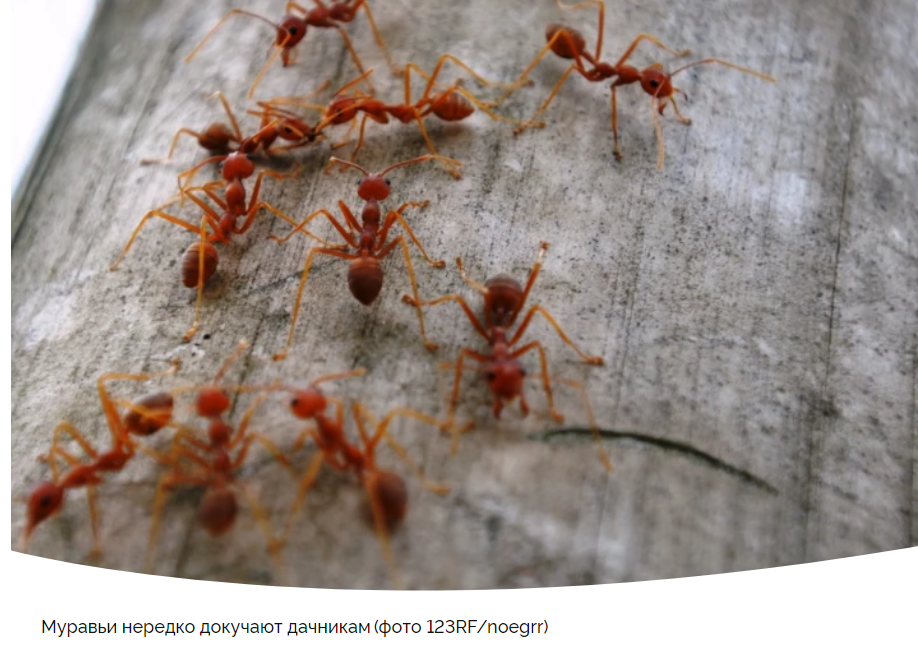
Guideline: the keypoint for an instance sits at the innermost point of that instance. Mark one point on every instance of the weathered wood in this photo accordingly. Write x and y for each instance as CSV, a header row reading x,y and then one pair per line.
x,y
755,301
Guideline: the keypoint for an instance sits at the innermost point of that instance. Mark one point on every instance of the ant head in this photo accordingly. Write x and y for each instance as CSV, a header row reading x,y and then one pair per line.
x,y
505,378
291,129
212,402
373,187
237,165
149,414
305,404
218,511
568,42
290,31
656,82
503,298
388,494
44,501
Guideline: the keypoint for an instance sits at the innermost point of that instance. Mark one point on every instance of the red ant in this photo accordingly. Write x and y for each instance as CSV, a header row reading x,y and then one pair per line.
x,y
211,464
370,242
145,417
504,299
568,43
292,28
200,260
218,137
386,491
452,104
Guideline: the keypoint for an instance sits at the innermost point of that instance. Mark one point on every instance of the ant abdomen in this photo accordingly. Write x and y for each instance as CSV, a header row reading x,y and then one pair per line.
x,y
218,511
216,138
565,47
388,491
150,413
191,263
453,107
365,279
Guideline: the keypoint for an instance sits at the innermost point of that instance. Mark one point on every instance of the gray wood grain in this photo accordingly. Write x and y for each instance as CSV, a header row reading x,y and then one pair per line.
x,y
755,301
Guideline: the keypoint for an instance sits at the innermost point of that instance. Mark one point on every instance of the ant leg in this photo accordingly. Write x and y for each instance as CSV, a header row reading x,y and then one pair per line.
x,y
379,39
529,283
278,50
654,107
273,545
354,57
382,432
535,344
348,236
603,457
230,115
157,212
454,398
191,172
532,122
430,146
207,189
616,150
601,24
397,215
683,119
302,437
408,299
197,305
219,24
254,204
592,360
115,425
545,50
438,68
305,483
175,140
299,293
656,42
93,521
345,141
414,285
75,435
297,227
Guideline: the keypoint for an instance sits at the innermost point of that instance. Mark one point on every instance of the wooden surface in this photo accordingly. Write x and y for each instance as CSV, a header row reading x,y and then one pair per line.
x,y
755,301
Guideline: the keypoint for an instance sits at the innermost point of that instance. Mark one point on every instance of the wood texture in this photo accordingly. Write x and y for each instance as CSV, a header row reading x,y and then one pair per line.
x,y
755,301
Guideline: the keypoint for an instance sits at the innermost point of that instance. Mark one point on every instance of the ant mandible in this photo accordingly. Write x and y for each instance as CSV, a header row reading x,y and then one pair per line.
x,y
146,416
292,28
504,300
370,242
386,491
568,43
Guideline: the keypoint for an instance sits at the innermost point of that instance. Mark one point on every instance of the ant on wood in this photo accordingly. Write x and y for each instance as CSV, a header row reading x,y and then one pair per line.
x,y
386,491
212,463
145,416
369,241
292,28
568,43
504,300
451,104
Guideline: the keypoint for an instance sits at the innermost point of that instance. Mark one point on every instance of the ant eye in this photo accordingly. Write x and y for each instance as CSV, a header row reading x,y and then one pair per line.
x,y
294,402
388,182
522,371
654,83
44,501
490,376
360,181
248,156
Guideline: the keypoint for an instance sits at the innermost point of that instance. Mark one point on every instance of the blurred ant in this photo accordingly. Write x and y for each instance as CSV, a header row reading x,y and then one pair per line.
x,y
369,241
145,416
386,491
212,463
292,28
504,300
568,43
